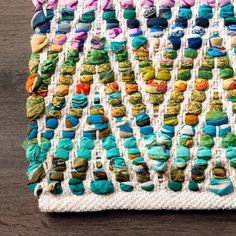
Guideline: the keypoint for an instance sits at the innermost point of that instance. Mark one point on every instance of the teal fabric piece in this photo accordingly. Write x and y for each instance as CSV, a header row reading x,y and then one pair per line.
x,y
133,151
180,163
139,41
130,142
63,149
233,162
86,143
200,163
65,143
109,142
138,161
33,166
183,152
185,13
230,152
102,186
33,152
119,162
76,186
204,153
147,186
126,187
58,189
221,187
164,139
159,153
84,153
150,140
31,187
159,165
113,152
62,153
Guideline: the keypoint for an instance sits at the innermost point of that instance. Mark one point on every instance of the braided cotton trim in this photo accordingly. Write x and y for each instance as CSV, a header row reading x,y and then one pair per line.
x,y
139,200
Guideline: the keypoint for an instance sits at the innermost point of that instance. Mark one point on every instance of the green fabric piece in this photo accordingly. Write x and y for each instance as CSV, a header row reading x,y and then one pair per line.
x,y
126,187
109,14
147,186
88,17
228,140
35,107
190,53
193,186
205,73
96,57
207,141
129,13
184,74
175,186
226,72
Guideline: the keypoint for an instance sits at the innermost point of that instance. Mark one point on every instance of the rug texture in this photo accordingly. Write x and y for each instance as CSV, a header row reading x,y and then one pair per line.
x,y
131,105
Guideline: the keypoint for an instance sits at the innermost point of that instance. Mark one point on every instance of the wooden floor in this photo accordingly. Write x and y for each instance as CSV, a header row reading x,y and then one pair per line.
x,y
19,214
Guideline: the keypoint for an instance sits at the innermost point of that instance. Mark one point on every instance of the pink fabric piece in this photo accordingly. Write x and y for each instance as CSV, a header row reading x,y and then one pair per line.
x,y
126,3
38,3
224,2
92,4
71,4
114,32
187,3
147,3
134,30
106,4
75,43
168,3
61,40
81,35
210,3
52,4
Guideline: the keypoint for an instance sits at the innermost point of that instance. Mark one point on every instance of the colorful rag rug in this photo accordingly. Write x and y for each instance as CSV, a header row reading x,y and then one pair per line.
x,y
131,105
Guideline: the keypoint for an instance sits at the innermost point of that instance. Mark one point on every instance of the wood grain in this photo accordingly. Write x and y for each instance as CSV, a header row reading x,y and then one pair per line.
x,y
19,214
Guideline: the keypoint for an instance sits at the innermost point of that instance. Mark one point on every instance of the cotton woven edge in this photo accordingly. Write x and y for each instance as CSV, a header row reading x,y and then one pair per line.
x,y
137,200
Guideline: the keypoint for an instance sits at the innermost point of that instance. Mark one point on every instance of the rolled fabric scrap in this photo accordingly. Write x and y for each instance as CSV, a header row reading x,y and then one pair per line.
x,y
168,3
210,3
221,187
38,42
156,86
187,3
126,3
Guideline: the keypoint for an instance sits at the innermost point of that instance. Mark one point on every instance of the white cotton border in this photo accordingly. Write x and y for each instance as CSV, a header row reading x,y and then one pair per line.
x,y
137,200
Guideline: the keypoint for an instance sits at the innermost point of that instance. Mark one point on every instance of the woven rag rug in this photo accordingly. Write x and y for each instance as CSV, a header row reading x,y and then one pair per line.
x,y
131,105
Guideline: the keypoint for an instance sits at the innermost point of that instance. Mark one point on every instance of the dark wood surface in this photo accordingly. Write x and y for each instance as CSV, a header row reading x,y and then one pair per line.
x,y
19,214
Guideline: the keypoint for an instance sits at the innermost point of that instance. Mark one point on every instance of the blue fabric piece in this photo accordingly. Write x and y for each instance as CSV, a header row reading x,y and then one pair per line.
x,y
70,134
52,123
224,129
146,130
175,41
209,129
168,129
48,134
